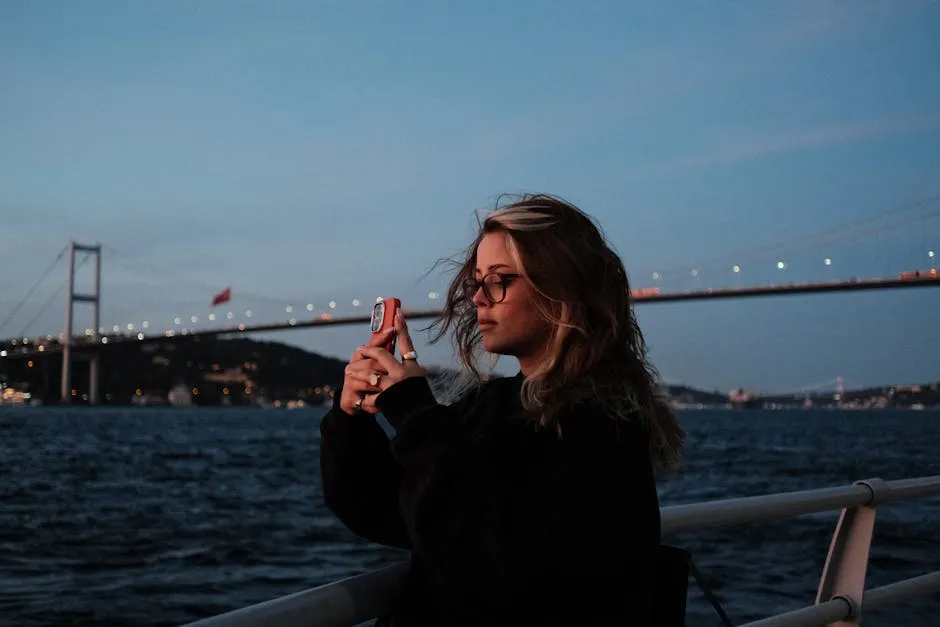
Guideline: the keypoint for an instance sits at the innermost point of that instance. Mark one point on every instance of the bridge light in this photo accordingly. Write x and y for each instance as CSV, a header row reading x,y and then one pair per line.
x,y
379,299
194,319
3,353
177,321
694,272
115,328
247,313
289,309
735,268
828,261
293,321
140,336
433,295
657,276
355,302
211,317
309,306
930,254
229,315
104,340
332,304
145,324
130,327
781,265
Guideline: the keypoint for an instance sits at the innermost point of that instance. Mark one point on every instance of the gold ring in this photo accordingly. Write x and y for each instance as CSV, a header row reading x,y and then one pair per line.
x,y
410,355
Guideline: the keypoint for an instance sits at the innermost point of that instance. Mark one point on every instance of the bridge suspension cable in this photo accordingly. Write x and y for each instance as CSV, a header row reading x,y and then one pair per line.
x,y
50,298
35,286
812,387
133,264
851,230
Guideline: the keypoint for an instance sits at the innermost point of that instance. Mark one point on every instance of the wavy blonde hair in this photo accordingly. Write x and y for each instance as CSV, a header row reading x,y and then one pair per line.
x,y
596,352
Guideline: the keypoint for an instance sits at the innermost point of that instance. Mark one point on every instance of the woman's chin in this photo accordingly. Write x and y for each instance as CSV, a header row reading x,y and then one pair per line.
x,y
491,345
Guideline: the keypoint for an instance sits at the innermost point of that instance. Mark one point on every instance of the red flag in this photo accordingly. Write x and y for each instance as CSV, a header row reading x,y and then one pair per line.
x,y
222,297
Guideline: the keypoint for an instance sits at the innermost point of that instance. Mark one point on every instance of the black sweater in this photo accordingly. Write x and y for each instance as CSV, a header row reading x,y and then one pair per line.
x,y
507,524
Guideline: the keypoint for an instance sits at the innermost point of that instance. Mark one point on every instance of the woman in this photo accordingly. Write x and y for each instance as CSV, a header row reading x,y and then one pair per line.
x,y
530,500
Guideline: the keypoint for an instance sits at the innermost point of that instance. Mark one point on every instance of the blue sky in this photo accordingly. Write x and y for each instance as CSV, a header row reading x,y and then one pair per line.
x,y
308,151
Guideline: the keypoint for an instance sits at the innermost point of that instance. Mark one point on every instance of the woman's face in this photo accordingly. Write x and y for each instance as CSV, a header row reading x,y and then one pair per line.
x,y
503,299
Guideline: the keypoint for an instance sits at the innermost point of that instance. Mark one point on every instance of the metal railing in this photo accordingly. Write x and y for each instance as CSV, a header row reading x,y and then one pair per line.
x,y
840,599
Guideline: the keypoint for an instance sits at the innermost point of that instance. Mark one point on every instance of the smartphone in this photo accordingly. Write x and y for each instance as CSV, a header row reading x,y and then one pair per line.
x,y
383,317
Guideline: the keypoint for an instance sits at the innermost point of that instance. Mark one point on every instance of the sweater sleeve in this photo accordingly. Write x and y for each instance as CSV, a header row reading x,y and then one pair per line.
x,y
557,525
361,480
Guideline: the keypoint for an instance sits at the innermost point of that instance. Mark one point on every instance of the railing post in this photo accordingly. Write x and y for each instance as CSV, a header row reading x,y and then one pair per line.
x,y
847,563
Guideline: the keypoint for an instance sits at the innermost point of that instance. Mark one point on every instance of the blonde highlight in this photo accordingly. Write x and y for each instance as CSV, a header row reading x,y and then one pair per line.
x,y
596,352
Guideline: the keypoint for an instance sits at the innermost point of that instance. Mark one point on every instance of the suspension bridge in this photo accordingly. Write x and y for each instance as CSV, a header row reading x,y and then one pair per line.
x,y
892,250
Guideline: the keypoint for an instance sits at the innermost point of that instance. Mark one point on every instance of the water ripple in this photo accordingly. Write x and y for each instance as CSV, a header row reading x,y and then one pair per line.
x,y
158,517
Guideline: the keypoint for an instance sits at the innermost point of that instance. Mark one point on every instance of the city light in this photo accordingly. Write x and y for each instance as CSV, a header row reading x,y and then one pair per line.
x,y
735,268
781,265
828,261
930,254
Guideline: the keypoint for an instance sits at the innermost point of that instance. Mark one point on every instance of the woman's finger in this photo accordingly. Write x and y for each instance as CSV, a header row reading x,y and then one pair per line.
x,y
405,345
379,339
368,404
364,381
385,359
366,364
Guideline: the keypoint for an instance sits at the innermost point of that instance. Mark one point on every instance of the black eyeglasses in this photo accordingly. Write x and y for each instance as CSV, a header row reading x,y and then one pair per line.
x,y
493,285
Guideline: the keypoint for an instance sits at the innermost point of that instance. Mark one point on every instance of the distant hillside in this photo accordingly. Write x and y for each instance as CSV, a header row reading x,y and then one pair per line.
x,y
241,371
271,369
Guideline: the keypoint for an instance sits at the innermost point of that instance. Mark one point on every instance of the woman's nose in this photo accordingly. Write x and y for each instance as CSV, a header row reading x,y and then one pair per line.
x,y
480,299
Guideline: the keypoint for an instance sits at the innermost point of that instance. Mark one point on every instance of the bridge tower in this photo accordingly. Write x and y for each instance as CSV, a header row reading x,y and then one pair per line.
x,y
95,300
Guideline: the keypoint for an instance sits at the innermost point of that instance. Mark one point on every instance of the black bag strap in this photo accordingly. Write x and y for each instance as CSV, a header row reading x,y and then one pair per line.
x,y
700,580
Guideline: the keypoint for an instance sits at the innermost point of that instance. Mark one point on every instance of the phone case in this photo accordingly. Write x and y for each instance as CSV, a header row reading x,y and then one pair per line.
x,y
383,317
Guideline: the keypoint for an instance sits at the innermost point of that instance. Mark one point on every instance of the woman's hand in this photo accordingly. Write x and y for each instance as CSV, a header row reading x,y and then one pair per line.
x,y
390,371
362,377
